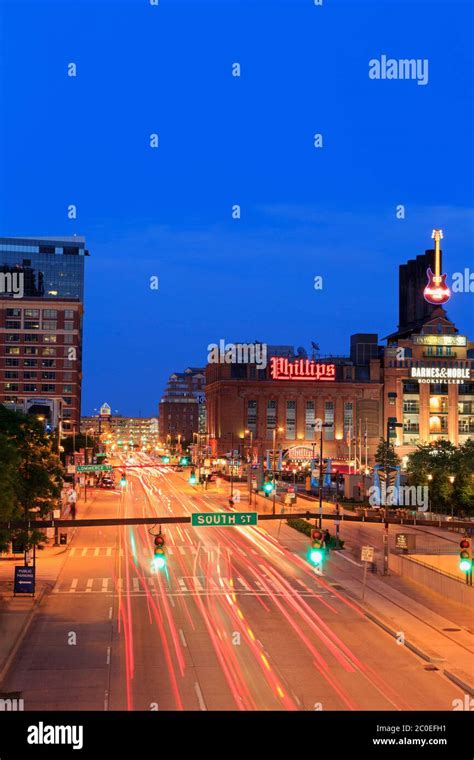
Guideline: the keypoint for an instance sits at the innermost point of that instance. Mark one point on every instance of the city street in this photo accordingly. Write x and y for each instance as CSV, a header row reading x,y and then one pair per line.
x,y
236,620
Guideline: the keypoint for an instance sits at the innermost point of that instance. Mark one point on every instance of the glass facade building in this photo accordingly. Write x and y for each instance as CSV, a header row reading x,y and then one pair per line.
x,y
52,268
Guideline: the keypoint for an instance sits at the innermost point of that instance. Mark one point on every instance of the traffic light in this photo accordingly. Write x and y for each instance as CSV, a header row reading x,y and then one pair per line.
x,y
165,460
159,560
123,480
192,478
184,461
465,555
316,552
268,487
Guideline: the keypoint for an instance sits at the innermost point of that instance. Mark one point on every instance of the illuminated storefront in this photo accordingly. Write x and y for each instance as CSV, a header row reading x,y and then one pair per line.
x,y
429,385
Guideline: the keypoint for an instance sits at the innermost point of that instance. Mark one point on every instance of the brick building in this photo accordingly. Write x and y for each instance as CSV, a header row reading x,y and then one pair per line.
x,y
183,406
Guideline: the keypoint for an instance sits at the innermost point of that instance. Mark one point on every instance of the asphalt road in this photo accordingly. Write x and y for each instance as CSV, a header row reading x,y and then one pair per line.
x,y
235,622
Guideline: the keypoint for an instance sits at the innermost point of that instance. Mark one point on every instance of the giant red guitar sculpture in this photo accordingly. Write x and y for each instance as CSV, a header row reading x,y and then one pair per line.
x,y
436,291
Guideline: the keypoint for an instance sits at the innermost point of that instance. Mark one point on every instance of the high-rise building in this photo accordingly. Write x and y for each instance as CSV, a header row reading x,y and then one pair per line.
x,y
41,313
183,406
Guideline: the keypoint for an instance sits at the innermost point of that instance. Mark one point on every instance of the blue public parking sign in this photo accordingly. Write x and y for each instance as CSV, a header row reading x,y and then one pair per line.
x,y
24,580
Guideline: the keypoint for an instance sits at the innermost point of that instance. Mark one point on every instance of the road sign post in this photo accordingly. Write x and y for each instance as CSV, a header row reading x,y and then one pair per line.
x,y
223,519
24,582
367,555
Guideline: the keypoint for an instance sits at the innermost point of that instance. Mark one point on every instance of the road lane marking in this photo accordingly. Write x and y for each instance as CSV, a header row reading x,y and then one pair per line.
x,y
136,584
110,609
73,585
181,549
109,551
350,560
182,584
243,583
89,585
170,551
108,656
202,704
72,551
96,551
198,583
183,640
105,584
84,552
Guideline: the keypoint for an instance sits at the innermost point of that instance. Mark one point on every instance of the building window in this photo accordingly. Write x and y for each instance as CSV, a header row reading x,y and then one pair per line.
x,y
69,338
31,324
49,339
69,314
30,338
11,386
11,375
31,312
30,362
271,417
13,312
69,325
48,352
12,362
329,417
12,324
67,388
48,375
50,314
12,350
48,388
29,375
252,416
309,432
29,388
12,338
48,362
48,324
31,351
291,420
348,418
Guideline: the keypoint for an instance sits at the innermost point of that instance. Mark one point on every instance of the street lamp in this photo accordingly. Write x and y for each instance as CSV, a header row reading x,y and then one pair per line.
x,y
249,465
452,478
280,430
323,425
391,423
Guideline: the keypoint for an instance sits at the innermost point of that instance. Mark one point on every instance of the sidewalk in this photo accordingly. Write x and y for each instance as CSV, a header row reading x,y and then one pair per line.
x,y
17,612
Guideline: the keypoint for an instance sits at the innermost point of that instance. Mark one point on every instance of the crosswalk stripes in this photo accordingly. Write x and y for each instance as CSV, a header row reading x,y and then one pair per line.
x,y
107,551
188,585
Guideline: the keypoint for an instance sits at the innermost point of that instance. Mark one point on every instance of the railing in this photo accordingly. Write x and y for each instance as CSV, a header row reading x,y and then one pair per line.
x,y
435,569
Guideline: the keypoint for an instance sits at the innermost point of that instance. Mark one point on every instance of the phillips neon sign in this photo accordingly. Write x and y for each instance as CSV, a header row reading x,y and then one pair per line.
x,y
301,369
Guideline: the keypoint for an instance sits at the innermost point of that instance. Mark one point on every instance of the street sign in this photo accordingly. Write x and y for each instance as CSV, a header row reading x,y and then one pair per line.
x,y
94,468
367,554
24,580
405,541
222,519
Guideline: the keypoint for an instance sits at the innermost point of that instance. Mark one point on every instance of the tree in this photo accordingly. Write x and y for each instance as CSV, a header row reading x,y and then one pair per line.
x,y
30,472
438,463
386,456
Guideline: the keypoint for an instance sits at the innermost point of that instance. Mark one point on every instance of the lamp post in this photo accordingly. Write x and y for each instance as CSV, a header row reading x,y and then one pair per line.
x,y
451,480
323,425
249,465
280,430
391,423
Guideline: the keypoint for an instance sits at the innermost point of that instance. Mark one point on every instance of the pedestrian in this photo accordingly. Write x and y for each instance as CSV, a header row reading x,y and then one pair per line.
x,y
327,539
73,510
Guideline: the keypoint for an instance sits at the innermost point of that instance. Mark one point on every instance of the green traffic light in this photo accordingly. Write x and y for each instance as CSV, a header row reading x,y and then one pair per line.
x,y
465,565
268,487
316,556
193,480
159,563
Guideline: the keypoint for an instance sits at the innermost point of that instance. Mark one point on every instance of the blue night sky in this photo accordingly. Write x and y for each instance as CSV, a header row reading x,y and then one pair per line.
x,y
224,141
